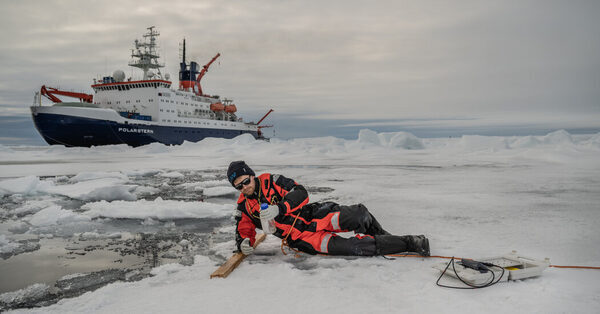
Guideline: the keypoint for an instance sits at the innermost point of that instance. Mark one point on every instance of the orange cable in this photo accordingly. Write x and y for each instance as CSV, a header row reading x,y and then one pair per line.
x,y
575,267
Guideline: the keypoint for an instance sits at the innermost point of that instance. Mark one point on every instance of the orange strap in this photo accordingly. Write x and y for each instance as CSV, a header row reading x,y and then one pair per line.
x,y
284,240
448,257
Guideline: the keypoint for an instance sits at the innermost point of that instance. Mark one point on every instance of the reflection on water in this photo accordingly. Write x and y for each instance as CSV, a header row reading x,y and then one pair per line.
x,y
174,241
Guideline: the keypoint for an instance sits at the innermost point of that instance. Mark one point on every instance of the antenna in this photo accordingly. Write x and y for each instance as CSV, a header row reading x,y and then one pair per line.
x,y
146,53
184,50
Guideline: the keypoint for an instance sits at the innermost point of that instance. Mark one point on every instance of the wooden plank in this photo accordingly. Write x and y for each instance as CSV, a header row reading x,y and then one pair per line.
x,y
224,270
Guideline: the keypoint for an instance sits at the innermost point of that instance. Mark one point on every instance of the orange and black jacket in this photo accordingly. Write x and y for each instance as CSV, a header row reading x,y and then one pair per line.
x,y
272,189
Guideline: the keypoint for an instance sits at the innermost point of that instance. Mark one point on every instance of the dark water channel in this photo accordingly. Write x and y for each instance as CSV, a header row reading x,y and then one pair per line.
x,y
62,262
70,266
58,257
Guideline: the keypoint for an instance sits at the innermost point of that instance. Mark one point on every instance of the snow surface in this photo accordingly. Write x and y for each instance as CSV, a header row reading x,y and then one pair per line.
x,y
474,196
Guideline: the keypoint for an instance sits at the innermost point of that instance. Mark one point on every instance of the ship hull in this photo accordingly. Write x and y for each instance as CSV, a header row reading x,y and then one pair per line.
x,y
71,130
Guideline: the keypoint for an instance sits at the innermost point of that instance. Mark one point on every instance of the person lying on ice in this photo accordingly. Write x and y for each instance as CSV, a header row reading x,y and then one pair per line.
x,y
310,227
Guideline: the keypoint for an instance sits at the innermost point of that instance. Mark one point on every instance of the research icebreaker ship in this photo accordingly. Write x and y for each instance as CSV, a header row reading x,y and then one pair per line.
x,y
139,112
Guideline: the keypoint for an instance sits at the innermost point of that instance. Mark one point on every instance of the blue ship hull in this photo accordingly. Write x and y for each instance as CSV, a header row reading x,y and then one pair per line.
x,y
77,131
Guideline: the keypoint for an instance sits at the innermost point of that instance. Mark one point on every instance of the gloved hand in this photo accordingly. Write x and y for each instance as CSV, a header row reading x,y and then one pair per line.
x,y
270,212
246,248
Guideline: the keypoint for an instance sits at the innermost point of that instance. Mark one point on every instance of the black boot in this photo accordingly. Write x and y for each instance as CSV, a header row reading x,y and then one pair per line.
x,y
390,244
375,228
419,244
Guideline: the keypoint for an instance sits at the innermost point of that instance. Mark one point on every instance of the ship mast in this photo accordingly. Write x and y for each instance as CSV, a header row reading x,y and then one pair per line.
x,y
147,55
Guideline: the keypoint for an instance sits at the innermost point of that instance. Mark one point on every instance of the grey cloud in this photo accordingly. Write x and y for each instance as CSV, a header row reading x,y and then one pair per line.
x,y
340,59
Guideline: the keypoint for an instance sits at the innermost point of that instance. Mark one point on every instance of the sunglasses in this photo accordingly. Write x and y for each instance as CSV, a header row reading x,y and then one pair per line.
x,y
241,184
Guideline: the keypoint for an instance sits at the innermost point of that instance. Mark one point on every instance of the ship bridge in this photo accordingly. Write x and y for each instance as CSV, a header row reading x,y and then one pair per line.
x,y
125,86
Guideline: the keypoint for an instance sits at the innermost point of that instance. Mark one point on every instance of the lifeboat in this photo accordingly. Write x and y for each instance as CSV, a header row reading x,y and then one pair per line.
x,y
230,108
217,106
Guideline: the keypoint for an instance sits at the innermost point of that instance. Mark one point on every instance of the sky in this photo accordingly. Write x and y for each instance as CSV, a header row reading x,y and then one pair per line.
x,y
433,68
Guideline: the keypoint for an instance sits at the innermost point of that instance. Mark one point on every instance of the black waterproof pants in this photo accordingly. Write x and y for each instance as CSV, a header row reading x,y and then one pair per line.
x,y
321,221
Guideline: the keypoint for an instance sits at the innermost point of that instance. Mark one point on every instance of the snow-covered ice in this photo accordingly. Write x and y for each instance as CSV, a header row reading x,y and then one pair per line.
x,y
6,245
159,209
474,196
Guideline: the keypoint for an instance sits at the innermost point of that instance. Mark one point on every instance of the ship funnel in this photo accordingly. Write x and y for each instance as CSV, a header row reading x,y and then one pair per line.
x,y
187,76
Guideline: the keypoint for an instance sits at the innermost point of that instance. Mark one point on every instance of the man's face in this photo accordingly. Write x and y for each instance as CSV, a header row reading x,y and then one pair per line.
x,y
247,189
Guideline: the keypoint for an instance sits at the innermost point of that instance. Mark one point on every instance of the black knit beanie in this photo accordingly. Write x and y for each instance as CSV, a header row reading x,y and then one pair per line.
x,y
236,169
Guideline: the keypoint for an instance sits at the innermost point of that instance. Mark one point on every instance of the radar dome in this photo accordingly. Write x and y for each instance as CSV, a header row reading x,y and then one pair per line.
x,y
119,76
167,76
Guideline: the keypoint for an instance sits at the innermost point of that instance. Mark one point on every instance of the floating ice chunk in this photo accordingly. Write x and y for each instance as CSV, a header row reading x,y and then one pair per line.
x,y
219,191
214,177
71,276
18,227
173,174
157,209
86,176
111,193
55,215
32,207
26,185
93,190
140,173
89,235
213,183
196,186
7,246
146,190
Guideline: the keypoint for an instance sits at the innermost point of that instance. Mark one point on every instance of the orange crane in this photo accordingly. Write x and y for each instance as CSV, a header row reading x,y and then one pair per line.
x,y
50,92
260,135
201,74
